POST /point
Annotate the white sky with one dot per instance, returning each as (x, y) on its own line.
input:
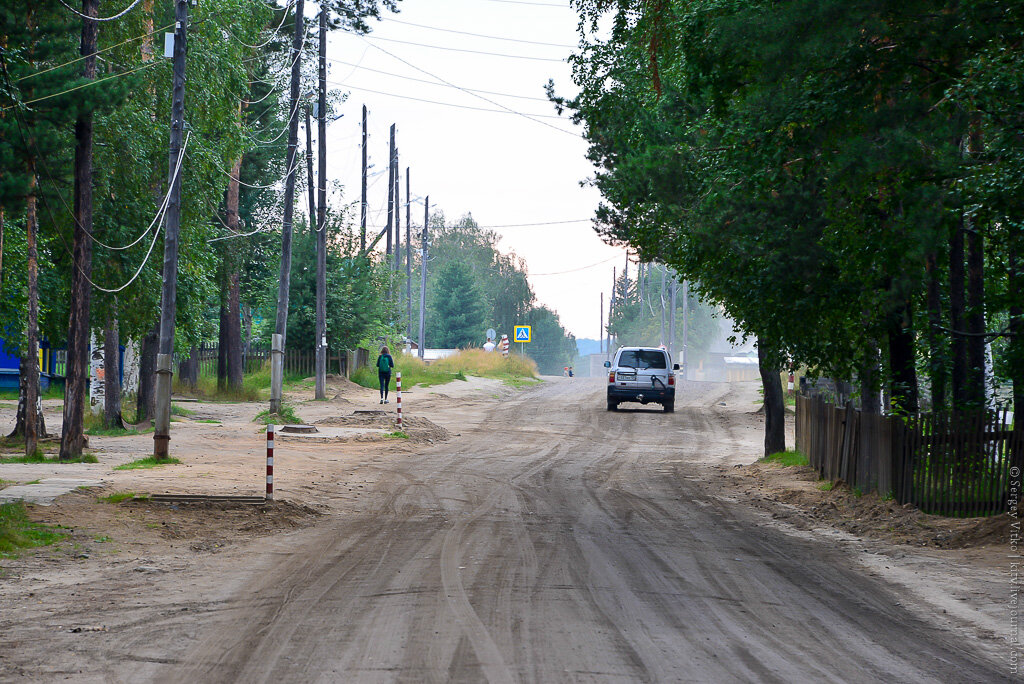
(503, 168)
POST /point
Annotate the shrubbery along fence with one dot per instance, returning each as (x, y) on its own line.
(954, 464)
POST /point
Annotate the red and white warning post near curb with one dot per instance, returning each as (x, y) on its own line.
(270, 462)
(398, 397)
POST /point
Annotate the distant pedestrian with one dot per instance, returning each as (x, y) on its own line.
(384, 365)
(571, 373)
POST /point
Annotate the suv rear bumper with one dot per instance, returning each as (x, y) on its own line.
(644, 396)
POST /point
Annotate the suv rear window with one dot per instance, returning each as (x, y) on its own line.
(642, 358)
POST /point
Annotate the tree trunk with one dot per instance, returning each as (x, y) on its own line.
(868, 389)
(1, 251)
(188, 370)
(19, 420)
(281, 321)
(936, 340)
(774, 403)
(32, 426)
(76, 374)
(975, 319)
(222, 347)
(976, 343)
(956, 316)
(902, 369)
(146, 397)
(1017, 332)
(234, 318)
(112, 376)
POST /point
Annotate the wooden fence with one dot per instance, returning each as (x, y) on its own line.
(296, 362)
(964, 464)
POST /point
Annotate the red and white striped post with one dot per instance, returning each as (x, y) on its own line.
(270, 462)
(398, 397)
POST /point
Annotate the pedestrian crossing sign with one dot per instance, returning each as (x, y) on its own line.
(522, 333)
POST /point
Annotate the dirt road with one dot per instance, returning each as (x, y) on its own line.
(551, 541)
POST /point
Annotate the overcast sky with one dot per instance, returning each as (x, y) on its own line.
(471, 154)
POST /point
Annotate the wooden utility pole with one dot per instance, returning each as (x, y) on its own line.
(284, 277)
(425, 244)
(663, 305)
(321, 217)
(600, 347)
(672, 321)
(397, 266)
(686, 325)
(362, 204)
(168, 297)
(72, 438)
(391, 195)
(408, 257)
(310, 178)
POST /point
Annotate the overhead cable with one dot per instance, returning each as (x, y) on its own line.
(475, 52)
(479, 35)
(111, 18)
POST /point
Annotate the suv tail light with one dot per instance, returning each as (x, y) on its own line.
(671, 379)
(611, 377)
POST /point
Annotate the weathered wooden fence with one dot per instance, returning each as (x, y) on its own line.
(296, 361)
(964, 464)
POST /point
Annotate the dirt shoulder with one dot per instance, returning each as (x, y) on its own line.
(955, 572)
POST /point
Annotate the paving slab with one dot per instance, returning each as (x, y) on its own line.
(44, 492)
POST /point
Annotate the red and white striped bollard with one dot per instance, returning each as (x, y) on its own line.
(270, 462)
(398, 397)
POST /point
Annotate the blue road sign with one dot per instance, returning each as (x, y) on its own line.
(522, 333)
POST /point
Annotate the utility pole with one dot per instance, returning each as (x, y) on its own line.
(423, 271)
(309, 169)
(663, 305)
(321, 217)
(625, 281)
(168, 297)
(672, 322)
(362, 205)
(600, 347)
(72, 438)
(408, 258)
(686, 321)
(398, 223)
(611, 304)
(391, 196)
(284, 277)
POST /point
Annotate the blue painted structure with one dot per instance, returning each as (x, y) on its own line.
(51, 367)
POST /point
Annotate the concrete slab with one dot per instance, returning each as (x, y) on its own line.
(45, 491)
(328, 433)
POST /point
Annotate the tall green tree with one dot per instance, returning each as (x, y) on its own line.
(457, 308)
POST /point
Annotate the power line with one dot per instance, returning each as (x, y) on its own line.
(146, 65)
(547, 223)
(535, 4)
(475, 52)
(79, 59)
(434, 83)
(469, 92)
(479, 35)
(111, 18)
(574, 270)
(449, 104)
(273, 34)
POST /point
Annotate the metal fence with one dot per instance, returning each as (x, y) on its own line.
(954, 464)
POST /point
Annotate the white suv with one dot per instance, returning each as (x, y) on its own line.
(643, 374)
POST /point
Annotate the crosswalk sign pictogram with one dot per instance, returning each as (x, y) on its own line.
(522, 333)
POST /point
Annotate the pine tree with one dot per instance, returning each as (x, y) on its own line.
(457, 307)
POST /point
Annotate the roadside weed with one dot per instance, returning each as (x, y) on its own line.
(148, 462)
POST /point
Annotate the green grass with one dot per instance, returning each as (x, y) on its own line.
(17, 532)
(148, 462)
(5, 483)
(790, 457)
(102, 539)
(516, 370)
(208, 420)
(118, 497)
(826, 486)
(54, 392)
(40, 457)
(287, 416)
(255, 386)
(179, 411)
(94, 426)
(397, 434)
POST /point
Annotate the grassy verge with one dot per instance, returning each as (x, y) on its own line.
(397, 434)
(255, 386)
(40, 457)
(148, 462)
(516, 370)
(118, 497)
(787, 458)
(17, 532)
(287, 416)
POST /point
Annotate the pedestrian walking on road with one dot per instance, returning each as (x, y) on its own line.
(384, 365)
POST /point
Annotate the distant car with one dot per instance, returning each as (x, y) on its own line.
(643, 374)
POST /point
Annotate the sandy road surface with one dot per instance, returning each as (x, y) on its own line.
(552, 541)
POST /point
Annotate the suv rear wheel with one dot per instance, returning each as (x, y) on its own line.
(670, 406)
(612, 405)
